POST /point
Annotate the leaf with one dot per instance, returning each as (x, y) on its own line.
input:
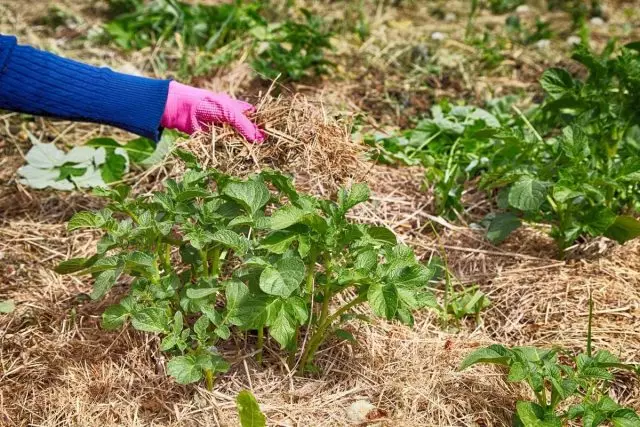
(493, 354)
(366, 260)
(142, 262)
(73, 265)
(278, 242)
(382, 235)
(185, 369)
(104, 282)
(383, 299)
(283, 327)
(249, 410)
(231, 239)
(625, 417)
(501, 226)
(527, 194)
(285, 217)
(114, 317)
(42, 178)
(556, 82)
(45, 156)
(358, 193)
(623, 229)
(163, 148)
(151, 319)
(84, 219)
(7, 306)
(114, 167)
(200, 293)
(252, 194)
(139, 149)
(281, 182)
(92, 178)
(283, 278)
(187, 157)
(533, 415)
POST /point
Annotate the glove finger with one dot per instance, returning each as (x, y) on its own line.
(245, 106)
(250, 131)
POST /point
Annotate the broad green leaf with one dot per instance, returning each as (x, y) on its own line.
(115, 166)
(7, 306)
(285, 217)
(114, 317)
(527, 194)
(382, 235)
(189, 158)
(623, 229)
(151, 319)
(201, 292)
(252, 194)
(366, 260)
(283, 327)
(200, 328)
(493, 354)
(249, 410)
(142, 262)
(104, 282)
(625, 417)
(383, 299)
(139, 149)
(281, 182)
(231, 239)
(223, 332)
(501, 226)
(348, 198)
(85, 220)
(283, 278)
(278, 242)
(557, 82)
(185, 369)
(533, 415)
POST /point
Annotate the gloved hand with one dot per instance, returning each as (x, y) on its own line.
(188, 109)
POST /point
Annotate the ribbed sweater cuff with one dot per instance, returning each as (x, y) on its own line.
(38, 82)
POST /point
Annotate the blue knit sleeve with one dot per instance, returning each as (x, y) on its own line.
(37, 82)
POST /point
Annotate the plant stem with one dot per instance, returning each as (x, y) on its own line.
(133, 216)
(205, 262)
(424, 144)
(291, 360)
(167, 257)
(260, 345)
(215, 262)
(528, 123)
(208, 376)
(319, 334)
(589, 349)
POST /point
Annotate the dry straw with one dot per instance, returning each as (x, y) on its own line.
(58, 368)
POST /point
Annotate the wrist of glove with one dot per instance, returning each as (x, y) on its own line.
(189, 110)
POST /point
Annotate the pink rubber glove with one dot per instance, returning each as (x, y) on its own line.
(188, 109)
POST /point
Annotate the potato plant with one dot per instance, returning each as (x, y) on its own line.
(213, 255)
(566, 386)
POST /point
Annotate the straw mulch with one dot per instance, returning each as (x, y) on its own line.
(58, 368)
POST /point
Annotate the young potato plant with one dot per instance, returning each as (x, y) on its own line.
(213, 255)
(558, 378)
(584, 180)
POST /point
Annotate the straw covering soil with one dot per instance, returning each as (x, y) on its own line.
(59, 368)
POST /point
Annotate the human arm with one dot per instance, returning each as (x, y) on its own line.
(41, 83)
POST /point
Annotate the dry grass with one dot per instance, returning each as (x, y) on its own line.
(58, 368)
